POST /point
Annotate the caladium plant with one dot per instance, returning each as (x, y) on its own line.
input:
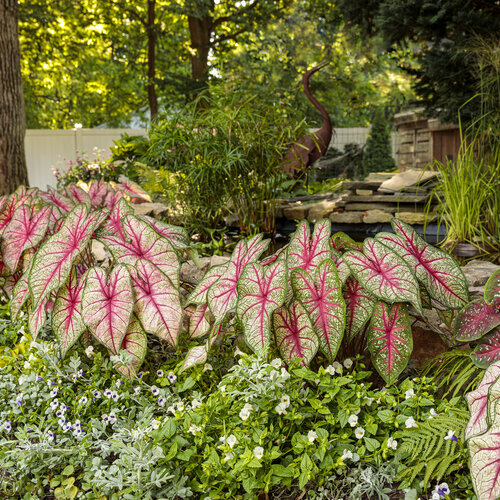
(320, 292)
(49, 268)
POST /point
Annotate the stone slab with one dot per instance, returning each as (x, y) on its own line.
(477, 272)
(376, 216)
(363, 207)
(364, 192)
(414, 217)
(155, 210)
(347, 217)
(406, 179)
(296, 212)
(353, 185)
(387, 198)
(320, 210)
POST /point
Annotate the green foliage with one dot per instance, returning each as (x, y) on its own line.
(221, 155)
(377, 156)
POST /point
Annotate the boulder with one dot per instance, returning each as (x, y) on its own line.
(347, 217)
(477, 273)
(156, 210)
(296, 211)
(320, 210)
(414, 217)
(376, 216)
(406, 179)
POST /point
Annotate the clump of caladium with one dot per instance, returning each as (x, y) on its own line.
(480, 321)
(47, 265)
(320, 291)
(483, 434)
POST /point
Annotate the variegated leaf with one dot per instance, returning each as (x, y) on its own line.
(488, 351)
(261, 290)
(54, 198)
(195, 356)
(114, 224)
(97, 191)
(199, 294)
(25, 230)
(255, 247)
(132, 189)
(390, 340)
(199, 323)
(383, 273)
(107, 305)
(67, 322)
(484, 450)
(20, 294)
(55, 258)
(271, 259)
(135, 343)
(493, 397)
(306, 253)
(77, 194)
(37, 317)
(178, 236)
(341, 242)
(478, 402)
(141, 241)
(342, 270)
(321, 296)
(476, 319)
(157, 301)
(295, 335)
(436, 269)
(10, 205)
(359, 307)
(492, 289)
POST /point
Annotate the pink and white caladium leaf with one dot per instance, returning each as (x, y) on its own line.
(25, 230)
(484, 451)
(107, 305)
(157, 301)
(493, 397)
(488, 351)
(261, 290)
(306, 253)
(437, 270)
(52, 197)
(77, 194)
(53, 262)
(390, 340)
(141, 241)
(478, 402)
(295, 334)
(114, 224)
(178, 236)
(135, 343)
(20, 294)
(271, 259)
(321, 296)
(37, 317)
(383, 273)
(97, 191)
(359, 307)
(67, 321)
(199, 294)
(222, 295)
(199, 322)
(11, 204)
(492, 290)
(343, 270)
(341, 242)
(132, 189)
(476, 319)
(196, 356)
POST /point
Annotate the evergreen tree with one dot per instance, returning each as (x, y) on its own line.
(377, 156)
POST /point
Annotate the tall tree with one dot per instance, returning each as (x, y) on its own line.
(13, 171)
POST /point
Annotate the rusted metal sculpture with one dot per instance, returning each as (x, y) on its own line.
(313, 146)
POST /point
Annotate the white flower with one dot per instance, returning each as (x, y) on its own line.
(162, 401)
(337, 367)
(276, 363)
(154, 390)
(285, 400)
(89, 351)
(450, 435)
(348, 363)
(410, 422)
(359, 432)
(281, 409)
(238, 352)
(27, 365)
(347, 454)
(311, 436)
(112, 417)
(108, 393)
(245, 412)
(195, 404)
(284, 374)
(392, 443)
(83, 400)
(171, 409)
(353, 420)
(227, 457)
(207, 367)
(180, 406)
(77, 126)
(409, 393)
(155, 424)
(432, 413)
(369, 401)
(258, 452)
(53, 393)
(330, 369)
(435, 495)
(231, 441)
(193, 429)
(96, 394)
(172, 377)
(115, 396)
(54, 404)
(7, 426)
(159, 373)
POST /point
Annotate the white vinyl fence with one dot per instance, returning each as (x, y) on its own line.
(48, 149)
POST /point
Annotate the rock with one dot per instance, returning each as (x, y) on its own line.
(477, 272)
(364, 192)
(414, 218)
(156, 210)
(427, 344)
(99, 251)
(347, 217)
(375, 216)
(406, 179)
(191, 273)
(363, 207)
(217, 260)
(320, 210)
(296, 212)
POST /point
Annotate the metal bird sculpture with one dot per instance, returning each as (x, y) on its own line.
(313, 146)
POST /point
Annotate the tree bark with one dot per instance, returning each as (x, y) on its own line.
(200, 31)
(152, 35)
(13, 171)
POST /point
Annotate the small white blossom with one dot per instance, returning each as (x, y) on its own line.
(281, 409)
(238, 352)
(115, 396)
(159, 373)
(348, 363)
(96, 394)
(27, 365)
(228, 456)
(231, 441)
(89, 351)
(409, 393)
(346, 455)
(83, 400)
(352, 420)
(180, 406)
(108, 393)
(161, 401)
(451, 435)
(245, 412)
(392, 443)
(359, 432)
(54, 393)
(311, 436)
(207, 367)
(369, 401)
(7, 426)
(171, 409)
(154, 390)
(337, 367)
(284, 374)
(330, 369)
(155, 424)
(195, 404)
(285, 400)
(410, 422)
(193, 429)
(258, 452)
(66, 427)
(276, 363)
(172, 378)
(54, 404)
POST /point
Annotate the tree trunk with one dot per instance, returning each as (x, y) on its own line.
(200, 30)
(151, 32)
(13, 171)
